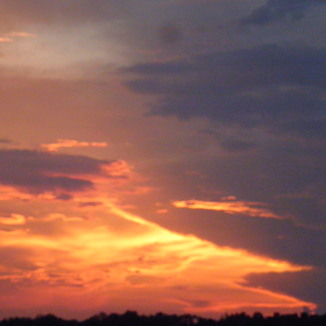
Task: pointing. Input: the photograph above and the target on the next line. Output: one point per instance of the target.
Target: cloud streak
(71, 143)
(234, 101)
(14, 219)
(252, 209)
(103, 251)
(39, 172)
(277, 10)
(139, 257)
(279, 88)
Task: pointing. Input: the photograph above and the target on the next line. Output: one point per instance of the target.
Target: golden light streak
(253, 209)
(118, 169)
(107, 252)
(5, 40)
(20, 34)
(71, 143)
(9, 37)
(63, 217)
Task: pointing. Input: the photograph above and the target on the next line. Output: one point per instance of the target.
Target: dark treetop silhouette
(131, 318)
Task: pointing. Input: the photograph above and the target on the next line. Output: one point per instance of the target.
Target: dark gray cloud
(231, 144)
(306, 285)
(276, 10)
(37, 171)
(291, 180)
(170, 33)
(279, 88)
(5, 141)
(236, 145)
(278, 239)
(13, 258)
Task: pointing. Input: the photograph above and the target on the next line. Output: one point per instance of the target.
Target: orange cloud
(113, 258)
(62, 217)
(13, 219)
(252, 209)
(118, 169)
(20, 34)
(5, 40)
(70, 143)
(9, 37)
(115, 252)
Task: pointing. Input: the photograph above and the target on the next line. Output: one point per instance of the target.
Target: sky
(162, 155)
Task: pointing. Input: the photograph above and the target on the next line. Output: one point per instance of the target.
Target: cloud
(62, 217)
(5, 40)
(277, 238)
(10, 37)
(170, 34)
(71, 143)
(279, 88)
(252, 209)
(15, 258)
(63, 12)
(14, 219)
(38, 172)
(277, 10)
(236, 145)
(139, 257)
(307, 285)
(5, 141)
(21, 34)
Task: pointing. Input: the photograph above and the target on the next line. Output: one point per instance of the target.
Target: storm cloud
(280, 88)
(307, 285)
(277, 10)
(38, 172)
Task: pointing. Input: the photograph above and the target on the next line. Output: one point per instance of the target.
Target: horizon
(105, 315)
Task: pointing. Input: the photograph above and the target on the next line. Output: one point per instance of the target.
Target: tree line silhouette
(132, 318)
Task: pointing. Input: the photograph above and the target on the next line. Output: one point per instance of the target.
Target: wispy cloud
(73, 251)
(139, 257)
(20, 34)
(71, 143)
(276, 10)
(5, 40)
(10, 37)
(13, 219)
(252, 209)
(39, 172)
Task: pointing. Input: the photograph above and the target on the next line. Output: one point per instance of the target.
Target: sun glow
(83, 244)
(114, 251)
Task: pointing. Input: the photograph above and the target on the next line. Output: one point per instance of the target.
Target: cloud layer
(277, 10)
(279, 88)
(225, 195)
(38, 172)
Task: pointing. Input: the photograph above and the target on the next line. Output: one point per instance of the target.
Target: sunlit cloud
(38, 172)
(101, 262)
(10, 37)
(71, 143)
(9, 193)
(174, 103)
(5, 40)
(21, 34)
(63, 217)
(13, 219)
(101, 251)
(252, 209)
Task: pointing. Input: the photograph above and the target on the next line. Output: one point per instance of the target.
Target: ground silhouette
(132, 318)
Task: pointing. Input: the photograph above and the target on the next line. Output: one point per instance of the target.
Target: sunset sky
(162, 155)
